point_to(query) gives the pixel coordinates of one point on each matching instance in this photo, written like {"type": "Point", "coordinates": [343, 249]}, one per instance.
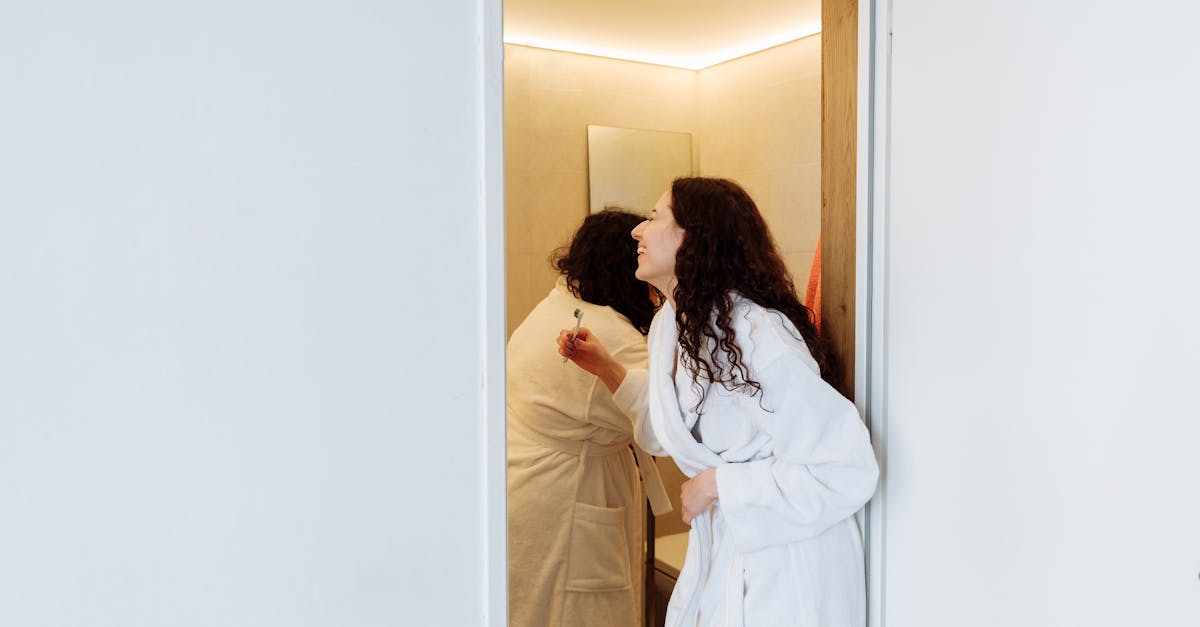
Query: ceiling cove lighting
{"type": "Point", "coordinates": [697, 62]}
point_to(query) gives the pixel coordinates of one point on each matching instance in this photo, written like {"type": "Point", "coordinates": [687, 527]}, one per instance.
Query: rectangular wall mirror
{"type": "Point", "coordinates": [631, 168]}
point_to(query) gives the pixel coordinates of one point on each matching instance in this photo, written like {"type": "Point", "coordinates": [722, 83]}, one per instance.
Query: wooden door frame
{"type": "Point", "coordinates": [839, 149]}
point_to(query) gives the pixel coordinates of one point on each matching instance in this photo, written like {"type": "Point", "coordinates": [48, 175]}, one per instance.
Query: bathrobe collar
{"type": "Point", "coordinates": [667, 419]}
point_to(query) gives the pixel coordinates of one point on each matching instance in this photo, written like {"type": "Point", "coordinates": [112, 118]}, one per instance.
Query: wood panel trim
{"type": "Point", "coordinates": [839, 130]}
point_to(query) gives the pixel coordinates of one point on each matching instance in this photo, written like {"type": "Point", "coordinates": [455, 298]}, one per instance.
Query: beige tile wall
{"type": "Point", "coordinates": [550, 98]}
{"type": "Point", "coordinates": [760, 124]}
{"type": "Point", "coordinates": [755, 119]}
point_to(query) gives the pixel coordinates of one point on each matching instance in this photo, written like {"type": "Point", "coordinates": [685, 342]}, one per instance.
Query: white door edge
{"type": "Point", "coordinates": [492, 332]}
{"type": "Point", "coordinates": [874, 49]}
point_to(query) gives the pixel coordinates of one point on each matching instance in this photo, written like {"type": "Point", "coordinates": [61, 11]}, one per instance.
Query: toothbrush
{"type": "Point", "coordinates": [575, 333]}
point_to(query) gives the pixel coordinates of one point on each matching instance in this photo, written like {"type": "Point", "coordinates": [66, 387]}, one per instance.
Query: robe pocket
{"type": "Point", "coordinates": [770, 596]}
{"type": "Point", "coordinates": [599, 553]}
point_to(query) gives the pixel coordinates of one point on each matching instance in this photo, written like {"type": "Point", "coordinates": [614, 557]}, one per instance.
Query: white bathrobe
{"type": "Point", "coordinates": [575, 507]}
{"type": "Point", "coordinates": [780, 546]}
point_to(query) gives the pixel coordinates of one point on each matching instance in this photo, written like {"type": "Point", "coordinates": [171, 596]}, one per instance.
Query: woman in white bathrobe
{"type": "Point", "coordinates": [779, 461]}
{"type": "Point", "coordinates": [575, 506]}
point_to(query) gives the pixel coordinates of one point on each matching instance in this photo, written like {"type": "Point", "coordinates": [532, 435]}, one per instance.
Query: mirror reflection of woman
{"type": "Point", "coordinates": [575, 505]}
{"type": "Point", "coordinates": [779, 462]}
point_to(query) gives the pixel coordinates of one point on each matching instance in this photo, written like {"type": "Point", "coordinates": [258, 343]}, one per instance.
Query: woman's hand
{"type": "Point", "coordinates": [588, 353]}
{"type": "Point", "coordinates": [698, 493]}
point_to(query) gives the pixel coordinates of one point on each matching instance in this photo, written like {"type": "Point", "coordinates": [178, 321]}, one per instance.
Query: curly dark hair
{"type": "Point", "coordinates": [600, 262]}
{"type": "Point", "coordinates": [728, 249]}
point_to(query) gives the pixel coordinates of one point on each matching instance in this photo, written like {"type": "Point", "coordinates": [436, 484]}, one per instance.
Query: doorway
{"type": "Point", "coordinates": [551, 95]}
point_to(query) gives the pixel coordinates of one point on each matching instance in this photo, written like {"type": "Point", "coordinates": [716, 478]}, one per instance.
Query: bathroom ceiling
{"type": "Point", "coordinates": [682, 33]}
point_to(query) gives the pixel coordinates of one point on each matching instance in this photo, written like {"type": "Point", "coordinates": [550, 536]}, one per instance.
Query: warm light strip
{"type": "Point", "coordinates": [687, 63]}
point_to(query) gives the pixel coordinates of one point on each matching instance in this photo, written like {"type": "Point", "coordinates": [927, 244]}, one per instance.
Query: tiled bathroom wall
{"type": "Point", "coordinates": [760, 124]}
{"type": "Point", "coordinates": [550, 98]}
{"type": "Point", "coordinates": [756, 119]}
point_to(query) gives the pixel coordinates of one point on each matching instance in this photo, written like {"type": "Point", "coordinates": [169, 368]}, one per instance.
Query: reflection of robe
{"type": "Point", "coordinates": [781, 545]}
{"type": "Point", "coordinates": [575, 507]}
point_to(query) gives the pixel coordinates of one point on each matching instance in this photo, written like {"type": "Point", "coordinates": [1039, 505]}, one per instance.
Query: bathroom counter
{"type": "Point", "coordinates": [669, 552]}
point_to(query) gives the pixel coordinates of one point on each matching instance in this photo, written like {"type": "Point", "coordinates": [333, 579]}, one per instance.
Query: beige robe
{"type": "Point", "coordinates": [576, 510]}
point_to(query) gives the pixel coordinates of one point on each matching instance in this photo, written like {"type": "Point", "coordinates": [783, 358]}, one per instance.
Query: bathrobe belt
{"type": "Point", "coordinates": [652, 483]}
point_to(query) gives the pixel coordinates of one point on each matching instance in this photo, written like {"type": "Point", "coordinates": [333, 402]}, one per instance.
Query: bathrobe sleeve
{"type": "Point", "coordinates": [821, 469]}
{"type": "Point", "coordinates": [606, 408]}
{"type": "Point", "coordinates": [633, 398]}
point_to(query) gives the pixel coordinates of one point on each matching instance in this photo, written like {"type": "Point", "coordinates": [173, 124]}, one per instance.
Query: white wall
{"type": "Point", "coordinates": [1042, 433]}
{"type": "Point", "coordinates": [243, 377]}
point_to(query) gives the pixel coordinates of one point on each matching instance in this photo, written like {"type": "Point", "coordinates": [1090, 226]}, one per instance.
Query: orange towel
{"type": "Point", "coordinates": [812, 299]}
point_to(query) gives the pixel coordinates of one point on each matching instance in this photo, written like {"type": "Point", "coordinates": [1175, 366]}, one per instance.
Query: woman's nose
{"type": "Point", "coordinates": [637, 230]}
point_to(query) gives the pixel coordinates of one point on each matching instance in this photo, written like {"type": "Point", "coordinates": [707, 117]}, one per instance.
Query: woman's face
{"type": "Point", "coordinates": [658, 240]}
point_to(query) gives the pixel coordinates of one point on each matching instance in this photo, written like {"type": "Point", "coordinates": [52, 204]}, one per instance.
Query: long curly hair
{"type": "Point", "coordinates": [600, 262]}
{"type": "Point", "coordinates": [728, 249]}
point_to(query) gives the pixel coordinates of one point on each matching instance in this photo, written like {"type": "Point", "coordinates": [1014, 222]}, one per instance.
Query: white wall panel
{"type": "Point", "coordinates": [241, 360]}
{"type": "Point", "coordinates": [1043, 430]}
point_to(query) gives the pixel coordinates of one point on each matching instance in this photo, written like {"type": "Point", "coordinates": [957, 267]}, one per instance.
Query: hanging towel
{"type": "Point", "coordinates": [812, 299]}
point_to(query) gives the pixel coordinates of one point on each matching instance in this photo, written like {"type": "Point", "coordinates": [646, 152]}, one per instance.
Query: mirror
{"type": "Point", "coordinates": [630, 168]}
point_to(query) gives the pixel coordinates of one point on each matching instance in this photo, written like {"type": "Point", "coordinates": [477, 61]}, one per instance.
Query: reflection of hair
{"type": "Point", "coordinates": [727, 248]}
{"type": "Point", "coordinates": [600, 263]}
